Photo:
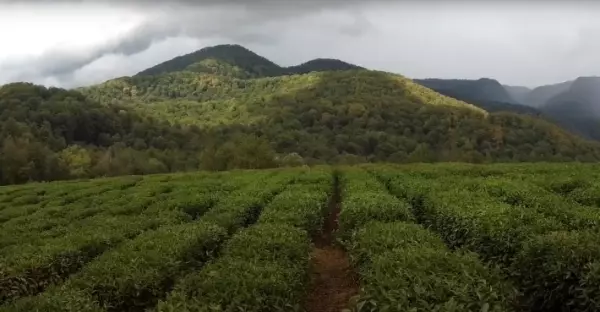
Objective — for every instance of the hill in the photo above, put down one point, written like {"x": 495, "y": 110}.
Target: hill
{"x": 52, "y": 134}
{"x": 344, "y": 116}
{"x": 578, "y": 108}
{"x": 485, "y": 93}
{"x": 185, "y": 120}
{"x": 539, "y": 96}
{"x": 518, "y": 93}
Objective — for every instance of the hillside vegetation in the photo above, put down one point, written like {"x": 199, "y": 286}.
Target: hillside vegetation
{"x": 441, "y": 237}
{"x": 235, "y": 109}
{"x": 51, "y": 134}
{"x": 345, "y": 116}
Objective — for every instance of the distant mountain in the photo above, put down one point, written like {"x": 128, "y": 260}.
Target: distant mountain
{"x": 483, "y": 89}
{"x": 518, "y": 93}
{"x": 578, "y": 108}
{"x": 539, "y": 96}
{"x": 485, "y": 93}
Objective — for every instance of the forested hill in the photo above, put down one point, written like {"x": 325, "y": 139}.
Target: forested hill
{"x": 210, "y": 119}
{"x": 52, "y": 134}
{"x": 344, "y": 116}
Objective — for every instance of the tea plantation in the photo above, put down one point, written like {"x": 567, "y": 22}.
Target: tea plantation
{"x": 443, "y": 237}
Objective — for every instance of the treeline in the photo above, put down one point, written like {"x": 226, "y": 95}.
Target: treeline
{"x": 52, "y": 134}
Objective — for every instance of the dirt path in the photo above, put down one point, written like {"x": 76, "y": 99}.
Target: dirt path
{"x": 333, "y": 281}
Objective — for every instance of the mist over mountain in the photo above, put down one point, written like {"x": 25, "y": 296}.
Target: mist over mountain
{"x": 486, "y": 93}
{"x": 539, "y": 96}
{"x": 518, "y": 93}
{"x": 578, "y": 108}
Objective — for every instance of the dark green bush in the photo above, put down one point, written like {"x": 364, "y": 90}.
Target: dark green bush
{"x": 416, "y": 272}
{"x": 560, "y": 271}
{"x": 365, "y": 200}
{"x": 262, "y": 268}
{"x": 139, "y": 272}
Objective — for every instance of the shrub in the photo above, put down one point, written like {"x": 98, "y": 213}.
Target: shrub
{"x": 561, "y": 270}
{"x": 416, "y": 272}
{"x": 263, "y": 268}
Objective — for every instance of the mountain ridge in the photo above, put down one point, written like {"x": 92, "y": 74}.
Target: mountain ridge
{"x": 578, "y": 108}
{"x": 245, "y": 63}
{"x": 485, "y": 93}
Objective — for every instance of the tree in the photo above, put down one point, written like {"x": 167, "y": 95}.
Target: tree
{"x": 78, "y": 161}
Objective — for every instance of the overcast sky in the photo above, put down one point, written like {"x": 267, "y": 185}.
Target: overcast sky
{"x": 76, "y": 43}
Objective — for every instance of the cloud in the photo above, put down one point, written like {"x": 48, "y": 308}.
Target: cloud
{"x": 516, "y": 43}
{"x": 242, "y": 22}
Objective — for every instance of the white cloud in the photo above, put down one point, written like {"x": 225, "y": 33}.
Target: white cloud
{"x": 527, "y": 44}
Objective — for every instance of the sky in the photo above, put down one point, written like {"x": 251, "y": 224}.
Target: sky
{"x": 72, "y": 43}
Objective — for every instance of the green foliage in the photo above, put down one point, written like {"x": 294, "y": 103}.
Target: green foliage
{"x": 348, "y": 116}
{"x": 242, "y": 151}
{"x": 510, "y": 221}
{"x": 138, "y": 272}
{"x": 480, "y": 223}
{"x": 586, "y": 194}
{"x": 28, "y": 268}
{"x": 243, "y": 207}
{"x": 57, "y": 300}
{"x": 379, "y": 237}
{"x": 365, "y": 200}
{"x": 520, "y": 193}
{"x": 54, "y": 134}
{"x": 560, "y": 270}
{"x": 417, "y": 273}
{"x": 225, "y": 108}
{"x": 302, "y": 206}
{"x": 147, "y": 242}
{"x": 263, "y": 268}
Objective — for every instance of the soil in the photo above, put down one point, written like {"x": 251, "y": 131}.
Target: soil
{"x": 333, "y": 281}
